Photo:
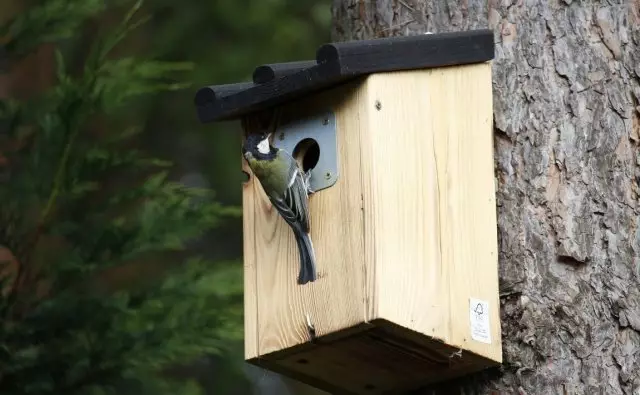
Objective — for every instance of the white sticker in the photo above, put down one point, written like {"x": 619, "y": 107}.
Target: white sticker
{"x": 479, "y": 316}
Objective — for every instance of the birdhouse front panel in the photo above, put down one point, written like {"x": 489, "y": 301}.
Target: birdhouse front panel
{"x": 280, "y": 312}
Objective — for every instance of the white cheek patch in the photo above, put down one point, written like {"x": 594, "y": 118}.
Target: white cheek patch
{"x": 263, "y": 146}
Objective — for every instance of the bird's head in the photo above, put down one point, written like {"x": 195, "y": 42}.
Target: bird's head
{"x": 258, "y": 145}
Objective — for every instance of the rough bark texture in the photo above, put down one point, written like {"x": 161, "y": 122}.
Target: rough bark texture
{"x": 567, "y": 126}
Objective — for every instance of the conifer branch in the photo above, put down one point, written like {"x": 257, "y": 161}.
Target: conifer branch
{"x": 82, "y": 334}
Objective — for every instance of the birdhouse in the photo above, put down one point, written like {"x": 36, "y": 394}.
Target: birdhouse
{"x": 397, "y": 137}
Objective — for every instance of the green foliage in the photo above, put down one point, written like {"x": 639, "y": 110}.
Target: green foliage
{"x": 104, "y": 205}
{"x": 69, "y": 344}
{"x": 48, "y": 22}
{"x": 123, "y": 78}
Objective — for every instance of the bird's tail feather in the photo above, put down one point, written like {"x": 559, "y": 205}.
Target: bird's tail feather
{"x": 307, "y": 259}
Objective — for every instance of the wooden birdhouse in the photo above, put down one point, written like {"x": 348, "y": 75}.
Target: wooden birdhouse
{"x": 398, "y": 136}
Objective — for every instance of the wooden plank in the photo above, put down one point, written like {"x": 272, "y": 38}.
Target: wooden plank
{"x": 249, "y": 193}
{"x": 383, "y": 358}
{"x": 335, "y": 300}
{"x": 431, "y": 201}
{"x": 369, "y": 208}
{"x": 210, "y": 94}
{"x": 270, "y": 94}
{"x": 341, "y": 62}
{"x": 401, "y": 192}
{"x": 269, "y": 72}
{"x": 409, "y": 52}
{"x": 464, "y": 149}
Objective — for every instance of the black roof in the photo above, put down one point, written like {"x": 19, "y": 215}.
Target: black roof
{"x": 338, "y": 62}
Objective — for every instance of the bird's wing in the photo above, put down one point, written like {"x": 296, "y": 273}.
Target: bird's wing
{"x": 293, "y": 204}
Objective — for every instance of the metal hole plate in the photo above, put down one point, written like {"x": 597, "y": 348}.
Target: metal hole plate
{"x": 322, "y": 129}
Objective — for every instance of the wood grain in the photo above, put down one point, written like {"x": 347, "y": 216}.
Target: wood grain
{"x": 379, "y": 358}
{"x": 250, "y": 258}
{"x": 269, "y": 72}
{"x": 335, "y": 301}
{"x": 401, "y": 189}
{"x": 358, "y": 57}
{"x": 432, "y": 190}
{"x": 212, "y": 93}
{"x": 464, "y": 153}
{"x": 403, "y": 240}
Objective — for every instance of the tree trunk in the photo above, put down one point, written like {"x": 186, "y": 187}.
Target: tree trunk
{"x": 566, "y": 81}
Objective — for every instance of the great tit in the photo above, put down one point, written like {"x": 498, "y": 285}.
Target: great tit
{"x": 287, "y": 186}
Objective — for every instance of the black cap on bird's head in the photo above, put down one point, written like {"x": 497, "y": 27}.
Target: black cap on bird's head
{"x": 258, "y": 145}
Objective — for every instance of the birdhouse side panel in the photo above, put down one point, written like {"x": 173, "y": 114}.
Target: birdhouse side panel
{"x": 468, "y": 226}
{"x": 402, "y": 206}
{"x": 432, "y": 197}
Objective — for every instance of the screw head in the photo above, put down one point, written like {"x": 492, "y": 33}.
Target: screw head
{"x": 378, "y": 105}
{"x": 328, "y": 175}
{"x": 325, "y": 121}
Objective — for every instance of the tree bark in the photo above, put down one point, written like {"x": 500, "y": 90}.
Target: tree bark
{"x": 566, "y": 81}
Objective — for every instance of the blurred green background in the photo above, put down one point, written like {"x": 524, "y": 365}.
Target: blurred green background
{"x": 224, "y": 40}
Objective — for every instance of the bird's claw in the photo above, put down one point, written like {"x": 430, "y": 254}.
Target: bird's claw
{"x": 311, "y": 328}
{"x": 307, "y": 182}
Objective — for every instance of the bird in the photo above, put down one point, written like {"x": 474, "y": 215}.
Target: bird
{"x": 287, "y": 186}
